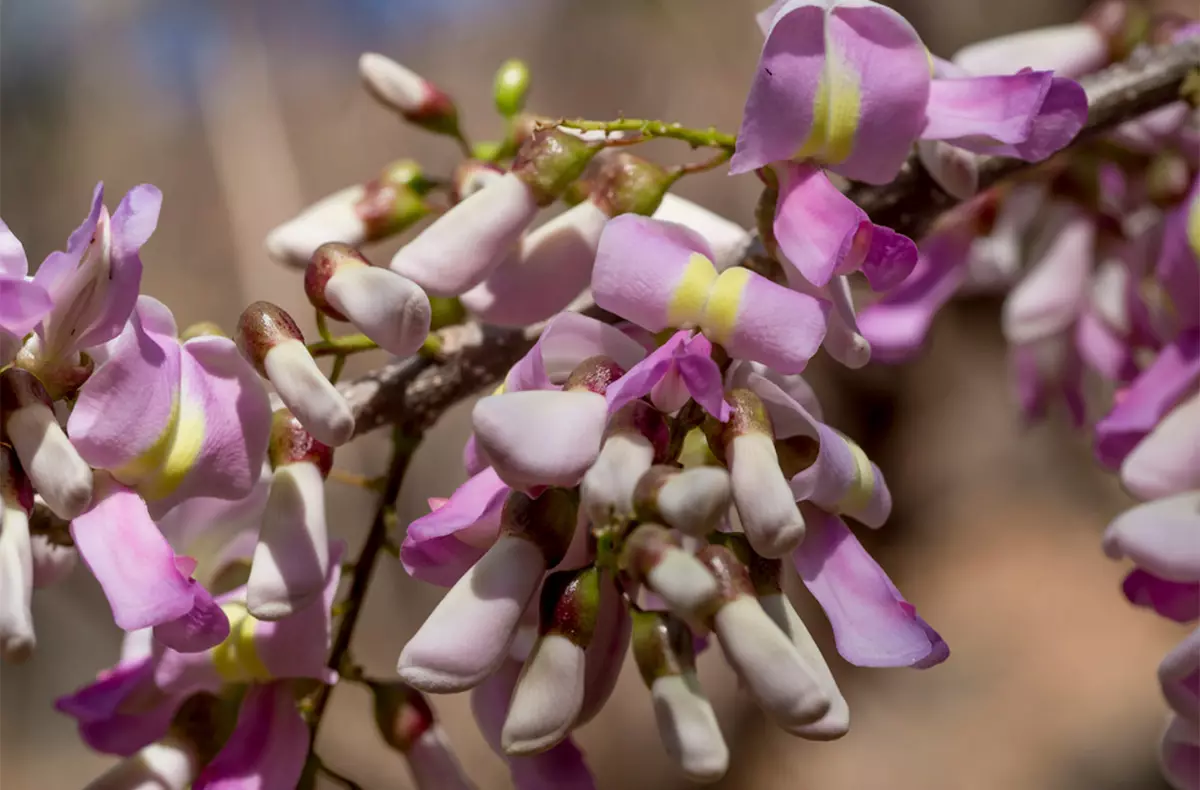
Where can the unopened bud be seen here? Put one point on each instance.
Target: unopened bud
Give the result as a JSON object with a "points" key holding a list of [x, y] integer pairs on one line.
{"points": [[336, 217], [52, 463], [628, 184], [692, 501], [653, 556], [418, 100], [511, 87], [955, 169], [388, 308], [767, 662], [550, 160], [764, 500], [687, 724], [401, 713], [547, 521], [387, 209], [17, 638], [271, 341], [594, 374], [637, 436], [549, 694]]}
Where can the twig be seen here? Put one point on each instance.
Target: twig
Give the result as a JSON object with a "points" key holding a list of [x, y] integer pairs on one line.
{"points": [[404, 445], [413, 393]]}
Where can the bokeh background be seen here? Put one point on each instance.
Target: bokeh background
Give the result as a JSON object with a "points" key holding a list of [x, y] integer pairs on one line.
{"points": [[243, 111]]}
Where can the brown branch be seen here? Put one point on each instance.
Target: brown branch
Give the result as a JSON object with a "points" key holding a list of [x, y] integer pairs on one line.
{"points": [[414, 393]]}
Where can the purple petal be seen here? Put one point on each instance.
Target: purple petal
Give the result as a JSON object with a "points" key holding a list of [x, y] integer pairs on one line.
{"points": [[1178, 601], [268, 746], [873, 625], [1179, 675], [816, 226], [99, 709], [1178, 268], [890, 258], [896, 326], [434, 549], [978, 111], [136, 218], [131, 559], [12, 254], [22, 305], [128, 403], [702, 376], [765, 322], [205, 626], [1167, 461], [566, 341], [641, 378], [1179, 754]]}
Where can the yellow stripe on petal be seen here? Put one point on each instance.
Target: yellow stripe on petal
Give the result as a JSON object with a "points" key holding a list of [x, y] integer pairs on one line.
{"points": [[724, 302], [184, 450], [236, 659], [858, 496], [691, 292], [143, 467], [837, 109]]}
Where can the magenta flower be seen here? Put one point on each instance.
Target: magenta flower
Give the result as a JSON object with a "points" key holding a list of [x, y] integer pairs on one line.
{"points": [[679, 370], [441, 546], [268, 747]]}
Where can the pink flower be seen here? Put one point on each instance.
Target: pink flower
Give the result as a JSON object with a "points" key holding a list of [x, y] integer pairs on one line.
{"points": [[22, 302], [268, 746], [166, 421]]}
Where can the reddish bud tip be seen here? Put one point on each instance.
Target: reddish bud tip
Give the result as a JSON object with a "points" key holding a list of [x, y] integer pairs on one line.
{"points": [[290, 443], [262, 327], [326, 260]]}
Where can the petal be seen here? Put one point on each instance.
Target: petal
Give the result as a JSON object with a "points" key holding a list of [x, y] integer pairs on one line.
{"points": [[541, 437], [464, 245], [1179, 754], [876, 68], [126, 411], [1048, 369], [13, 263], [566, 341], [1162, 536], [131, 559], [1068, 50], [1179, 675], [655, 274], [467, 636], [268, 746], [390, 309], [727, 239], [873, 625], [1178, 601], [205, 626], [896, 325], [560, 768], [1168, 460], [985, 109], [606, 651], [1178, 267], [1174, 373], [433, 763], [702, 376], [202, 527], [761, 494], [220, 442], [22, 304], [688, 727], [753, 318], [843, 340], [548, 697], [332, 218], [291, 560], [170, 764], [815, 224], [1049, 298], [890, 258], [434, 549], [136, 218], [17, 639], [642, 377], [551, 266], [781, 108]]}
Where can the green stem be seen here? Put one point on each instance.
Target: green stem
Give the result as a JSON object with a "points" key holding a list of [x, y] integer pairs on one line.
{"points": [[323, 327], [697, 138], [347, 344], [339, 362]]}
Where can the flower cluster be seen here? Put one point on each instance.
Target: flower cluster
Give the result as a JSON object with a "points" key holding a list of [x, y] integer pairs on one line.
{"points": [[652, 476]]}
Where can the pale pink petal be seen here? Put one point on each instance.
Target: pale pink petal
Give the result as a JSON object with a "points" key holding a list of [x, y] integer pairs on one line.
{"points": [[1179, 754], [896, 325], [12, 254], [1068, 50], [100, 710], [205, 626], [22, 305], [131, 559], [642, 377], [873, 625], [128, 402], [1168, 460], [1162, 536], [983, 110], [702, 376], [766, 322], [1179, 674], [566, 341], [268, 747]]}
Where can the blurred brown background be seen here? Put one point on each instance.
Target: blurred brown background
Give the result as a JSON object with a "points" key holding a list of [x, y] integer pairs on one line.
{"points": [[242, 112]]}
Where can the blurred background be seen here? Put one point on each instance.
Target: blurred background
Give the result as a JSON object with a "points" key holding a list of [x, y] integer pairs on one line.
{"points": [[244, 111]]}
